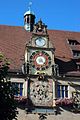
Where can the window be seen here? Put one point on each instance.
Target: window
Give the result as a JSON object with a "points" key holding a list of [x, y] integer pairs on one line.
{"points": [[76, 53], [73, 42], [78, 67], [62, 91], [27, 19], [18, 88]]}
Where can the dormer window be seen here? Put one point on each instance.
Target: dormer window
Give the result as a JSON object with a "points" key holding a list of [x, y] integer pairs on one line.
{"points": [[78, 67], [76, 53], [73, 42]]}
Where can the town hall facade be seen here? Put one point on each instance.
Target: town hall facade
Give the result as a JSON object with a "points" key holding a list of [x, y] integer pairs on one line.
{"points": [[45, 64]]}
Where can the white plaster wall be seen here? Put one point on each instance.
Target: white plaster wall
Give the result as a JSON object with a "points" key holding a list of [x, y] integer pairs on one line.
{"points": [[65, 115]]}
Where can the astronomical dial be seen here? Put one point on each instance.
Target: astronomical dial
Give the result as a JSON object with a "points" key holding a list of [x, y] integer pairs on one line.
{"points": [[40, 42], [40, 60], [41, 92]]}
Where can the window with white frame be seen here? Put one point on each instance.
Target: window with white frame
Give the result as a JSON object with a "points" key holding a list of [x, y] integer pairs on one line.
{"points": [[18, 88], [62, 91]]}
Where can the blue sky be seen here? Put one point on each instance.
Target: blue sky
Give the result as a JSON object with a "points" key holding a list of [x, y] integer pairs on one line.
{"points": [[57, 14]]}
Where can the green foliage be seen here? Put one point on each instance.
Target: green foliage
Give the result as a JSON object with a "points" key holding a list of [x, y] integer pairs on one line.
{"points": [[7, 103]]}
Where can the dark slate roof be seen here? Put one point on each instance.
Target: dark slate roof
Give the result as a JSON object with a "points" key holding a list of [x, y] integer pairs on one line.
{"points": [[13, 40]]}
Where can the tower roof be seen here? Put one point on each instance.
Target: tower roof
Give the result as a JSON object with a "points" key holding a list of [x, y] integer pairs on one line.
{"points": [[28, 12]]}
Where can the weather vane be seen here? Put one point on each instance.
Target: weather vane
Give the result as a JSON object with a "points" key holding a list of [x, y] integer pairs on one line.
{"points": [[30, 4]]}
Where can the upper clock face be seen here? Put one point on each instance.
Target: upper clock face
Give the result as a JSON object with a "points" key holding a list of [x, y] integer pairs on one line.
{"points": [[40, 60], [40, 41]]}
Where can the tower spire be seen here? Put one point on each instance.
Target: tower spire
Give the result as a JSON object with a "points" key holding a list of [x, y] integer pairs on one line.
{"points": [[30, 4]]}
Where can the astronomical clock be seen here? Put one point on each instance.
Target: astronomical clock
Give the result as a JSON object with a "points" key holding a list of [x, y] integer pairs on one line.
{"points": [[39, 59], [41, 93], [40, 62]]}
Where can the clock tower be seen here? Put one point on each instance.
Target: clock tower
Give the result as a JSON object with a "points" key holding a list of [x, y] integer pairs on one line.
{"points": [[39, 61]]}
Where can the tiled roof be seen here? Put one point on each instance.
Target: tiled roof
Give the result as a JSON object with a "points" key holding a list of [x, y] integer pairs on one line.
{"points": [[73, 73], [59, 39], [12, 44], [75, 48], [14, 38]]}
